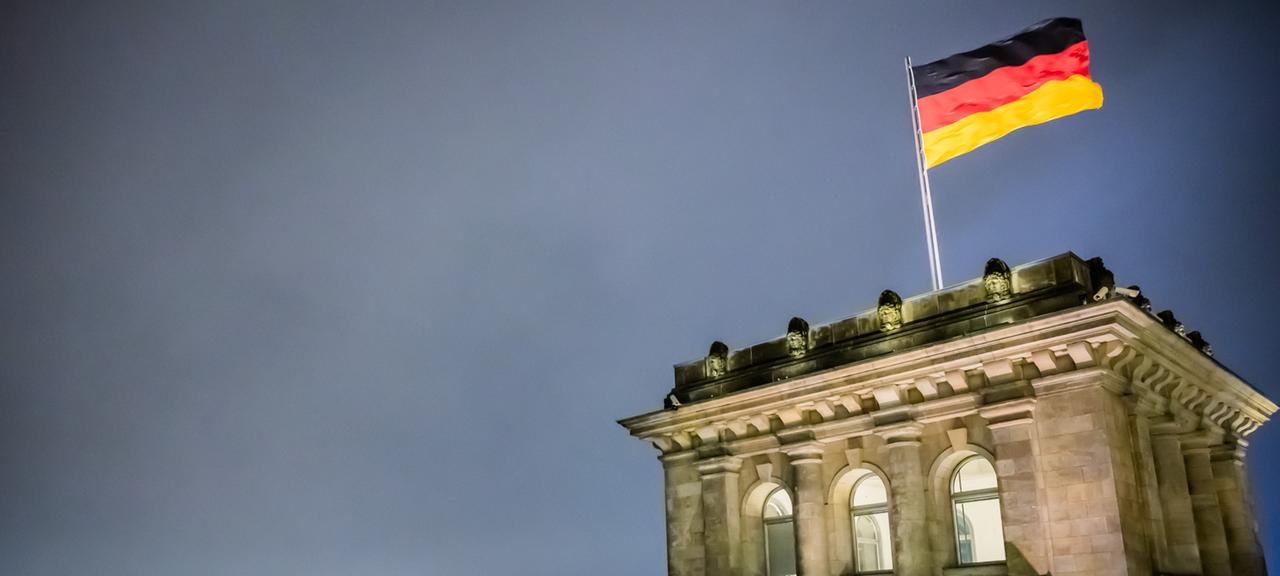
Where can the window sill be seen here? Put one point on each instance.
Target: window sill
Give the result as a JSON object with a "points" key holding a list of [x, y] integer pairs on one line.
{"points": [[988, 569]]}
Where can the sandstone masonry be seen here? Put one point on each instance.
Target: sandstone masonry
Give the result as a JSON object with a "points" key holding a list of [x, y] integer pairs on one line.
{"points": [[1118, 443]]}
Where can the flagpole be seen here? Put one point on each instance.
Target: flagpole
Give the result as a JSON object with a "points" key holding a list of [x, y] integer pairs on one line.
{"points": [[926, 197]]}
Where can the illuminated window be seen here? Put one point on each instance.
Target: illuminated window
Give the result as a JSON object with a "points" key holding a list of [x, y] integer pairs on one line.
{"points": [[975, 502], [779, 534], [872, 548]]}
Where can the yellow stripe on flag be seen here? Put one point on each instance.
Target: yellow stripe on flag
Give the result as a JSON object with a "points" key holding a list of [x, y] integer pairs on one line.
{"points": [[1054, 99]]}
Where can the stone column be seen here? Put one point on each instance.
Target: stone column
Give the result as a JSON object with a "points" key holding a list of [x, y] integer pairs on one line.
{"points": [[685, 556], [1142, 408], [1215, 559], [1183, 549], [810, 512], [912, 555], [721, 516], [1016, 440], [1237, 509]]}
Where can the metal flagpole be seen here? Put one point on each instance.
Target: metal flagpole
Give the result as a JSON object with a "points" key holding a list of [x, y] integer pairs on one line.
{"points": [[926, 197]]}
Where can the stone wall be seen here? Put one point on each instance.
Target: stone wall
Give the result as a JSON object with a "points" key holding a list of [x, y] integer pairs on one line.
{"points": [[1070, 486]]}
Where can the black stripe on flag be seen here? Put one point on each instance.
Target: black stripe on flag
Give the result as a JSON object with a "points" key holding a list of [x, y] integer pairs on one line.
{"points": [[1048, 37]]}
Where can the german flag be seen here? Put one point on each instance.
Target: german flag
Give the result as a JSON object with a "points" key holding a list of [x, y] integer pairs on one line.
{"points": [[970, 99]]}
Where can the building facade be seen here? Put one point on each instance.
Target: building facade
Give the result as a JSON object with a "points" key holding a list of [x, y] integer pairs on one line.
{"points": [[1038, 420]]}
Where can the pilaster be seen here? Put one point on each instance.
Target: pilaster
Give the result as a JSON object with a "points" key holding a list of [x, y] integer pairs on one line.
{"points": [[1016, 440], [1179, 520], [912, 554], [721, 515], [810, 513], [1235, 499], [1215, 557], [1142, 407], [683, 489]]}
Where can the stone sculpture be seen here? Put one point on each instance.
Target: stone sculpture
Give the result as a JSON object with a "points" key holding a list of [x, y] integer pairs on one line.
{"points": [[797, 337], [1167, 318], [1200, 343], [717, 360], [997, 280], [889, 311]]}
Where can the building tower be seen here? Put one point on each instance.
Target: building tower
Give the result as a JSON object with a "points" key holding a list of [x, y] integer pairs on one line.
{"points": [[1038, 420]]}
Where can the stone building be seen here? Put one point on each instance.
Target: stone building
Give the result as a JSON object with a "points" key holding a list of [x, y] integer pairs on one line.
{"points": [[1038, 420]]}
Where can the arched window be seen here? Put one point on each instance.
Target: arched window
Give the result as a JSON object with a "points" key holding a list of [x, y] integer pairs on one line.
{"points": [[975, 502], [869, 506], [779, 534]]}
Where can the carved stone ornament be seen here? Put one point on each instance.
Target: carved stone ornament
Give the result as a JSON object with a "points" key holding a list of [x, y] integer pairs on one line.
{"points": [[889, 311], [797, 337], [717, 360], [997, 280], [1166, 318], [1200, 343]]}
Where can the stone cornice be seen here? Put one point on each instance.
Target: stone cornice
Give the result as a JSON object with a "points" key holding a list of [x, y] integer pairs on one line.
{"points": [[1128, 347]]}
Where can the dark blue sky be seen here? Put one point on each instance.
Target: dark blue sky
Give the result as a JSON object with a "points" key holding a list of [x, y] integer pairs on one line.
{"points": [[347, 288]]}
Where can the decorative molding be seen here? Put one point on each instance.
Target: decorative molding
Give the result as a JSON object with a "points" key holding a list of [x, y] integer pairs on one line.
{"points": [[1098, 345]]}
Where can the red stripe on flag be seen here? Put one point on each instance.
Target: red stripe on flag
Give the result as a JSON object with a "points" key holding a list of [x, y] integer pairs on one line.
{"points": [[1001, 86]]}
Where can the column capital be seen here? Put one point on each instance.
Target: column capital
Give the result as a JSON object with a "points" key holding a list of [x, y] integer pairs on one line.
{"points": [[1199, 441], [1194, 444], [678, 458], [805, 452], [1009, 413], [719, 465], [900, 434], [1149, 404], [1229, 451], [1168, 424]]}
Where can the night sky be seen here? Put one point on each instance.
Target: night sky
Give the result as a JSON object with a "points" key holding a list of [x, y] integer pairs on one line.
{"points": [[333, 288]]}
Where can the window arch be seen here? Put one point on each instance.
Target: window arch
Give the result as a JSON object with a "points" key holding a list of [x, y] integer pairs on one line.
{"points": [[779, 534], [869, 511], [975, 504]]}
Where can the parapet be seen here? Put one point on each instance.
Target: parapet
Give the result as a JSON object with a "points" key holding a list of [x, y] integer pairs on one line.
{"points": [[1002, 295]]}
